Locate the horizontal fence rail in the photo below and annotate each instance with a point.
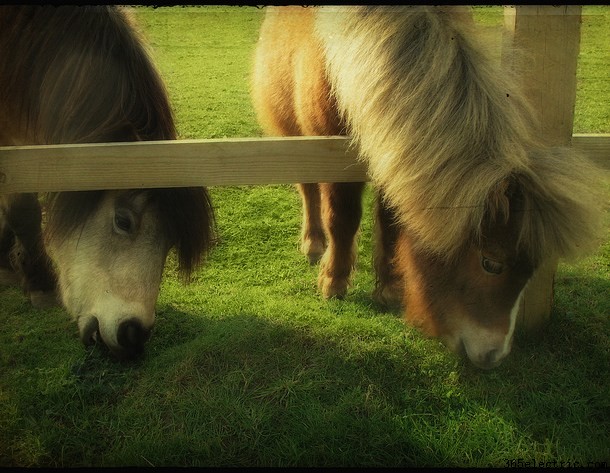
(179, 163)
(184, 163)
(596, 146)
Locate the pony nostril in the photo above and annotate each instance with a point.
(491, 357)
(132, 336)
(88, 334)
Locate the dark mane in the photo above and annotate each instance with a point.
(80, 75)
(83, 75)
(189, 222)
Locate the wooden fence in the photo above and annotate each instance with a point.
(550, 35)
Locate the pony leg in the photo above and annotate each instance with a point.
(313, 241)
(28, 256)
(388, 285)
(341, 214)
(8, 277)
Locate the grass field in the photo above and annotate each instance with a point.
(248, 366)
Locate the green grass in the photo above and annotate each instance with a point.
(248, 366)
(592, 113)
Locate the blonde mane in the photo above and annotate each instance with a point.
(443, 130)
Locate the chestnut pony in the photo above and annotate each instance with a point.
(79, 75)
(469, 202)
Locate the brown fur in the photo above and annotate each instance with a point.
(471, 202)
(305, 106)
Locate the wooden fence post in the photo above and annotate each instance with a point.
(548, 38)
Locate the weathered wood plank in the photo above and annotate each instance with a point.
(548, 38)
(247, 161)
(596, 147)
(255, 161)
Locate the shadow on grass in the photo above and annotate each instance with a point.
(245, 389)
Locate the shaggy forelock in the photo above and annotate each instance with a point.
(188, 219)
(186, 216)
(442, 127)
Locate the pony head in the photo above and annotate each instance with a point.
(471, 297)
(110, 249)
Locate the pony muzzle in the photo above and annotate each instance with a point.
(127, 343)
(131, 337)
(89, 330)
(487, 359)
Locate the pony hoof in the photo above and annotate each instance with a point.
(8, 278)
(389, 296)
(313, 249)
(44, 299)
(332, 288)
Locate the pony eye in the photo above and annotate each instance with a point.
(123, 222)
(491, 266)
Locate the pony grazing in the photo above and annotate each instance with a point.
(81, 75)
(469, 202)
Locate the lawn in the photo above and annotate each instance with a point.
(248, 366)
